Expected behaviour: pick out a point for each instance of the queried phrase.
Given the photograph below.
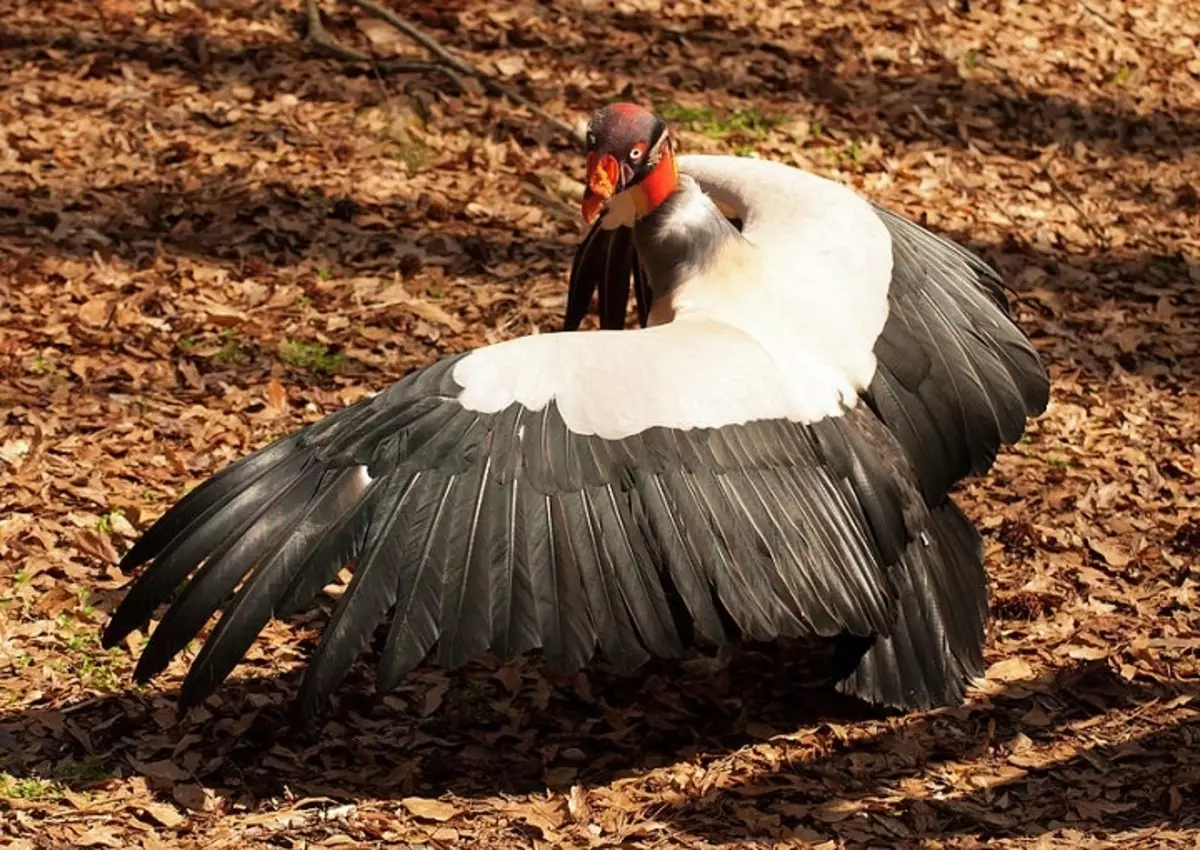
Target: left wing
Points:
(544, 492)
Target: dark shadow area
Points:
(1072, 295)
(478, 730)
(880, 98)
(940, 107)
(252, 230)
(221, 217)
(191, 56)
(1002, 770)
(228, 219)
(269, 67)
(482, 731)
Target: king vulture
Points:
(768, 456)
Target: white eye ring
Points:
(636, 153)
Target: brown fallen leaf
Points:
(560, 777)
(836, 811)
(99, 836)
(1099, 809)
(426, 809)
(1036, 716)
(368, 220)
(13, 451)
(433, 313)
(397, 294)
(223, 315)
(547, 816)
(1010, 670)
(1031, 759)
(433, 698)
(1111, 551)
(167, 816)
(194, 797)
(276, 395)
(164, 770)
(99, 546)
(793, 810)
(190, 374)
(384, 38)
(95, 312)
(510, 677)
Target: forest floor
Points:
(211, 233)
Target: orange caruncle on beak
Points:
(603, 172)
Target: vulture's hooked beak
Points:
(604, 181)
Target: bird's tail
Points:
(936, 645)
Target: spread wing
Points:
(540, 493)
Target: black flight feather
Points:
(216, 526)
(258, 600)
(223, 570)
(370, 593)
(417, 578)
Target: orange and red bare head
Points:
(627, 148)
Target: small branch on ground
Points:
(321, 37)
(929, 125)
(1103, 17)
(1097, 233)
(934, 44)
(555, 206)
(493, 85)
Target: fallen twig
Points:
(1097, 233)
(929, 125)
(318, 35)
(555, 206)
(462, 67)
(934, 44)
(1103, 17)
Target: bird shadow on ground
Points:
(311, 237)
(984, 771)
(485, 730)
(280, 227)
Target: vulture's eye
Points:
(639, 150)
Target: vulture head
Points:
(630, 164)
